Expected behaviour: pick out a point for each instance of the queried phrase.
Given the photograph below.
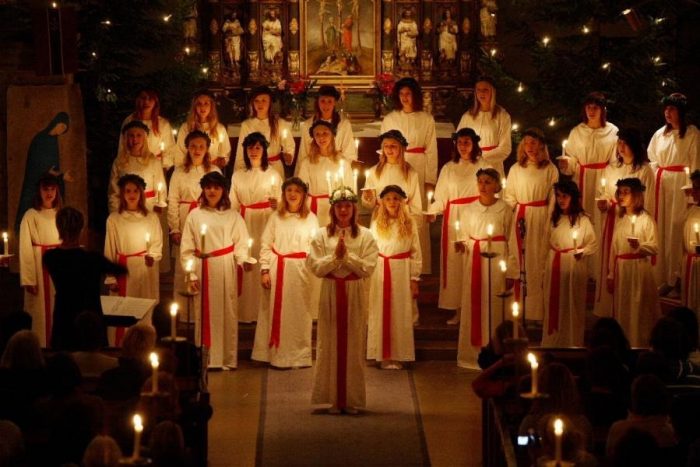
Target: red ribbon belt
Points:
(206, 322)
(386, 302)
(341, 323)
(688, 266)
(607, 243)
(624, 256)
(121, 283)
(488, 148)
(553, 323)
(445, 231)
(149, 194)
(416, 150)
(193, 204)
(582, 174)
(314, 202)
(258, 205)
(275, 158)
(521, 215)
(476, 338)
(46, 280)
(279, 284)
(659, 173)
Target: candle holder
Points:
(489, 255)
(136, 461)
(533, 395)
(503, 296)
(554, 463)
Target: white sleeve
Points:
(27, 266)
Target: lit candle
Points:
(328, 181)
(489, 235)
(687, 175)
(160, 191)
(138, 428)
(341, 171)
(516, 326)
(203, 236)
(634, 222)
(696, 229)
(503, 183)
(6, 244)
(603, 182)
(357, 145)
(189, 267)
(173, 321)
(162, 146)
(273, 182)
(154, 377)
(574, 237)
(457, 226)
(558, 432)
(533, 366)
(250, 244)
(221, 138)
(563, 147)
(284, 137)
(366, 175)
(148, 241)
(355, 176)
(502, 266)
(430, 197)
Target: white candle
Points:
(5, 243)
(634, 222)
(357, 145)
(203, 236)
(221, 138)
(148, 241)
(138, 428)
(563, 147)
(328, 181)
(173, 321)
(153, 357)
(189, 267)
(574, 237)
(160, 191)
(533, 366)
(687, 175)
(558, 432)
(162, 146)
(696, 229)
(341, 170)
(457, 226)
(489, 234)
(273, 182)
(284, 137)
(503, 183)
(430, 197)
(516, 326)
(355, 176)
(250, 244)
(603, 182)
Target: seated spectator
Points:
(572, 444)
(649, 412)
(689, 321)
(12, 323)
(669, 340)
(89, 331)
(167, 447)
(499, 375)
(636, 447)
(605, 387)
(102, 451)
(11, 445)
(607, 331)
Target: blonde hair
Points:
(542, 154)
(212, 118)
(139, 339)
(405, 166)
(144, 159)
(315, 151)
(495, 108)
(283, 208)
(383, 221)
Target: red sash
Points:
(258, 205)
(341, 323)
(445, 231)
(46, 280)
(476, 338)
(121, 283)
(277, 157)
(624, 256)
(193, 204)
(582, 174)
(607, 244)
(314, 202)
(521, 215)
(688, 266)
(488, 148)
(553, 322)
(386, 302)
(279, 285)
(206, 321)
(657, 189)
(416, 150)
(149, 194)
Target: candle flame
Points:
(532, 359)
(502, 265)
(489, 230)
(284, 133)
(153, 357)
(558, 427)
(203, 229)
(148, 237)
(603, 182)
(516, 310)
(696, 227)
(189, 265)
(357, 143)
(574, 234)
(456, 225)
(634, 219)
(250, 243)
(173, 309)
(4, 235)
(138, 423)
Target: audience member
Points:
(89, 331)
(11, 323)
(607, 331)
(102, 451)
(168, 445)
(636, 447)
(499, 375)
(605, 387)
(689, 321)
(11, 445)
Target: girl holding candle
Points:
(277, 131)
(283, 333)
(328, 97)
(691, 249)
(183, 197)
(204, 117)
(344, 254)
(215, 238)
(394, 286)
(631, 161)
(418, 129)
(485, 226)
(630, 277)
(455, 190)
(136, 158)
(37, 235)
(254, 193)
(571, 239)
(323, 160)
(529, 193)
(674, 148)
(491, 122)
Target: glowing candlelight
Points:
(558, 432)
(203, 236)
(273, 182)
(341, 170)
(148, 241)
(328, 181)
(162, 146)
(138, 428)
(563, 147)
(603, 182)
(285, 132)
(634, 222)
(489, 235)
(221, 138)
(687, 175)
(250, 243)
(189, 267)
(355, 176)
(153, 357)
(457, 226)
(502, 266)
(430, 197)
(503, 183)
(533, 366)
(6, 244)
(173, 321)
(696, 229)
(574, 237)
(357, 144)
(160, 191)
(516, 314)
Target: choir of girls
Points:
(281, 252)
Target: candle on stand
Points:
(558, 432)
(430, 197)
(153, 357)
(138, 428)
(160, 192)
(355, 176)
(357, 146)
(173, 320)
(533, 366)
(633, 219)
(696, 228)
(148, 241)
(516, 326)
(574, 237)
(563, 148)
(603, 185)
(5, 244)
(203, 237)
(328, 181)
(489, 235)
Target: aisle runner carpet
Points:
(292, 432)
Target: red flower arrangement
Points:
(384, 85)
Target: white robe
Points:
(456, 182)
(669, 150)
(250, 188)
(315, 175)
(635, 300)
(474, 221)
(38, 228)
(344, 142)
(161, 144)
(493, 132)
(220, 144)
(183, 190)
(152, 173)
(224, 229)
(690, 279)
(360, 261)
(527, 185)
(286, 235)
(565, 329)
(251, 125)
(402, 271)
(612, 173)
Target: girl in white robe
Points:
(529, 192)
(204, 117)
(418, 128)
(491, 122)
(456, 188)
(277, 131)
(328, 97)
(344, 254)
(632, 162)
(690, 279)
(135, 158)
(283, 333)
(674, 151)
(486, 217)
(571, 240)
(631, 279)
(394, 284)
(183, 196)
(37, 235)
(215, 239)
